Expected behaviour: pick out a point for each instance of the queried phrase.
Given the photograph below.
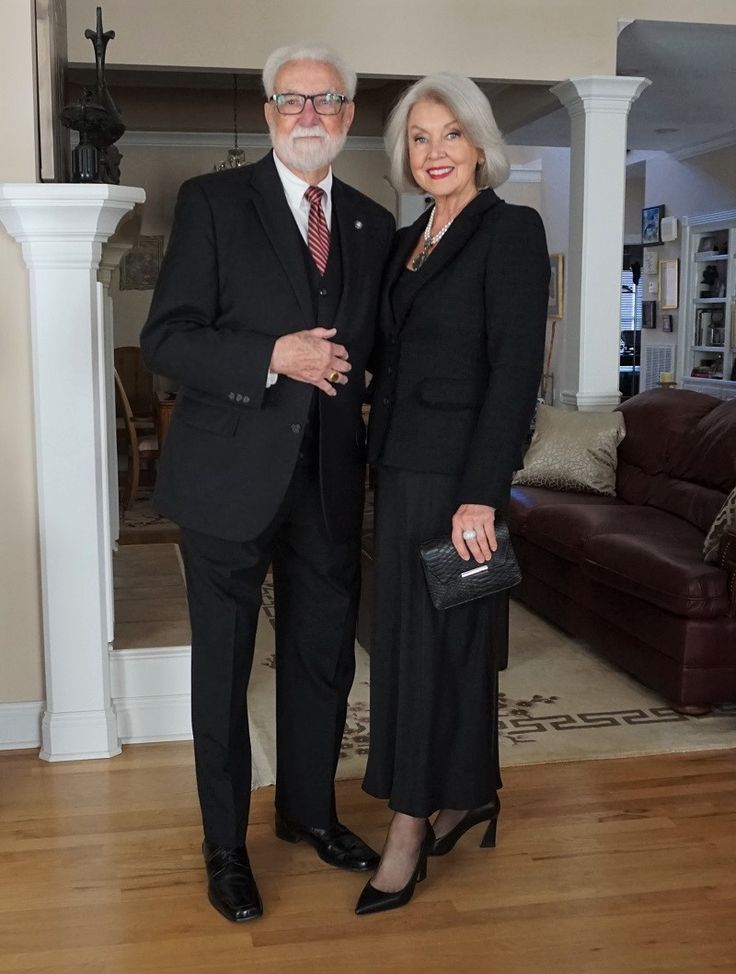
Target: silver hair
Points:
(307, 52)
(473, 112)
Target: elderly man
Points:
(264, 314)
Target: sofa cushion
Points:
(566, 530)
(656, 422)
(573, 451)
(665, 570)
(706, 455)
(678, 454)
(524, 500)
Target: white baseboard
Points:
(20, 724)
(150, 693)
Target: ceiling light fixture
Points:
(235, 156)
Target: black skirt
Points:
(434, 681)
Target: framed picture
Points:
(650, 262)
(648, 309)
(140, 266)
(706, 245)
(651, 220)
(669, 274)
(667, 323)
(556, 286)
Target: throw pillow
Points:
(725, 518)
(573, 451)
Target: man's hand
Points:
(309, 356)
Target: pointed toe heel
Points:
(373, 900)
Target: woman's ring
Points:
(470, 535)
(334, 377)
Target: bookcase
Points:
(708, 309)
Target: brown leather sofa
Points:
(626, 573)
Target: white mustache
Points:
(302, 132)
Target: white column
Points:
(599, 109)
(112, 253)
(62, 228)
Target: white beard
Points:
(307, 156)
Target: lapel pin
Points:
(358, 224)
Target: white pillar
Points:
(62, 228)
(599, 109)
(112, 253)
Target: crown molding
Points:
(702, 148)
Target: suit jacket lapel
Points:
(457, 236)
(278, 222)
(353, 227)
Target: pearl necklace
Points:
(429, 240)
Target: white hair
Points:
(307, 52)
(473, 112)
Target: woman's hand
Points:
(478, 518)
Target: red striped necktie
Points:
(318, 236)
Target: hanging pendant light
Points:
(235, 156)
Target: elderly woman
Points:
(462, 338)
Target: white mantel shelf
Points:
(62, 229)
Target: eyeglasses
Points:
(327, 103)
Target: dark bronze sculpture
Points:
(95, 116)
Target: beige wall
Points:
(536, 40)
(21, 655)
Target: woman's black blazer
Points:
(457, 377)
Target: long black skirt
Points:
(434, 681)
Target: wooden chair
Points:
(139, 447)
(138, 384)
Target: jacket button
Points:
(390, 370)
(323, 292)
(246, 398)
(238, 398)
(296, 427)
(231, 395)
(386, 401)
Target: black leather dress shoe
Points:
(337, 846)
(232, 888)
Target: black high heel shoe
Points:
(486, 813)
(373, 900)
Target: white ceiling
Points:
(691, 102)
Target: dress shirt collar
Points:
(295, 188)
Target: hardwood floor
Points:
(607, 867)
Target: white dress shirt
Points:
(294, 189)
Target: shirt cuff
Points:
(271, 379)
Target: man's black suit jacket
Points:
(233, 280)
(459, 371)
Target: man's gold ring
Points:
(334, 377)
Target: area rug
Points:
(559, 701)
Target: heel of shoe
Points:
(422, 870)
(489, 836)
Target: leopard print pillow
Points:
(574, 451)
(726, 518)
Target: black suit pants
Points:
(316, 587)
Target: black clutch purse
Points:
(452, 581)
